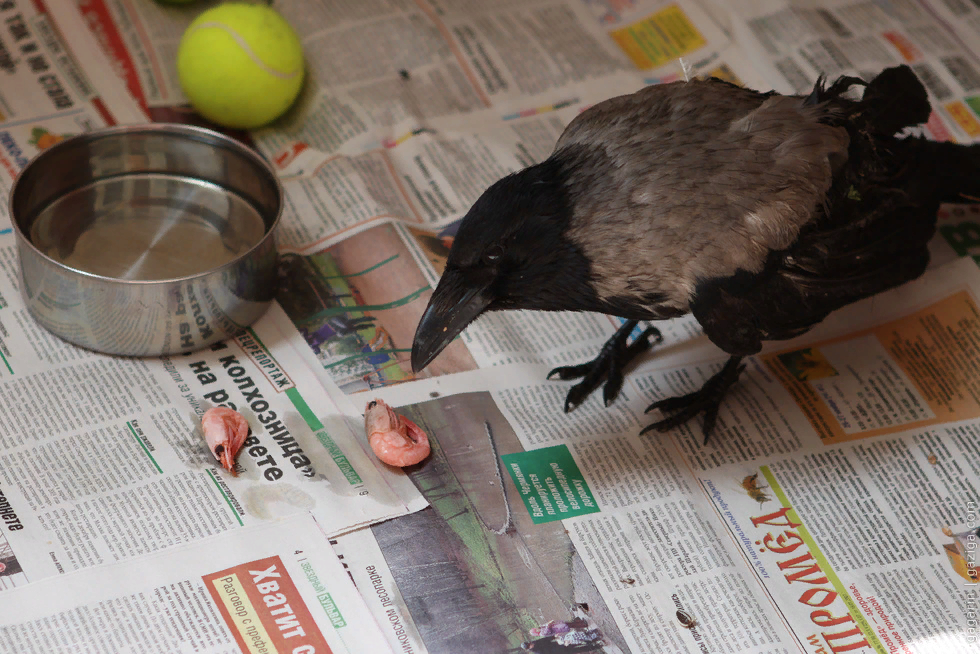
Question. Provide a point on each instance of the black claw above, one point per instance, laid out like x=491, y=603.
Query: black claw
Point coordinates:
x=614, y=356
x=668, y=423
x=570, y=372
x=707, y=400
x=611, y=390
x=614, y=379
x=669, y=404
x=710, y=418
x=653, y=332
x=677, y=419
x=576, y=396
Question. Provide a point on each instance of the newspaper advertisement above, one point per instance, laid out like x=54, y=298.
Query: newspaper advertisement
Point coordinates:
x=48, y=91
x=103, y=458
x=275, y=588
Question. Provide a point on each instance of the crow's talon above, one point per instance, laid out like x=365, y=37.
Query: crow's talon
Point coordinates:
x=613, y=358
x=565, y=373
x=675, y=420
x=611, y=390
x=670, y=404
x=707, y=401
x=644, y=338
x=577, y=395
x=614, y=382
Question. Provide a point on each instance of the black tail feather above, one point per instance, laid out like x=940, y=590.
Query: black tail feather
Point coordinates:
x=894, y=100
x=928, y=172
x=951, y=170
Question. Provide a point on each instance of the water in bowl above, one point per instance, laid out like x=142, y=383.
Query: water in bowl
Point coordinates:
x=147, y=227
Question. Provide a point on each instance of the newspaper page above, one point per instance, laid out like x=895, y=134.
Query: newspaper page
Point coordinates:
x=275, y=589
x=476, y=571
x=48, y=91
x=960, y=19
x=447, y=59
x=835, y=507
x=419, y=92
x=103, y=457
x=831, y=430
x=356, y=52
x=858, y=512
x=792, y=42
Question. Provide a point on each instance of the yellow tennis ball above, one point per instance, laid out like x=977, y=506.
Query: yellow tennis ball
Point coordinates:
x=240, y=65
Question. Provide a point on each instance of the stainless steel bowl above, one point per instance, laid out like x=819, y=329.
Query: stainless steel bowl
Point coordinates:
x=147, y=240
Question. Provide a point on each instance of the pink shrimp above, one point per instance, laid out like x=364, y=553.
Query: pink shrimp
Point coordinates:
x=225, y=431
x=395, y=439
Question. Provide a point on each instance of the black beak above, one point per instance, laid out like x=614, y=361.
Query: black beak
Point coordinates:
x=455, y=303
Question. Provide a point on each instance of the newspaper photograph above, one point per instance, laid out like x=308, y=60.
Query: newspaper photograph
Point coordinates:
x=477, y=559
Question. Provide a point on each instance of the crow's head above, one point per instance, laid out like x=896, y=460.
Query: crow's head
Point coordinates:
x=510, y=252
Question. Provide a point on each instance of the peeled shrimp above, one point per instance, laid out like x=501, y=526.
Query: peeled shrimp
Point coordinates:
x=395, y=439
x=225, y=431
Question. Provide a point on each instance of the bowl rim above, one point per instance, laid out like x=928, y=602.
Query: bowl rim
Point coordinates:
x=193, y=131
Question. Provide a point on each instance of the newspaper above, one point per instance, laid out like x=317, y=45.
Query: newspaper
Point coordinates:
x=103, y=458
x=793, y=42
x=271, y=588
x=830, y=512
x=48, y=92
x=835, y=507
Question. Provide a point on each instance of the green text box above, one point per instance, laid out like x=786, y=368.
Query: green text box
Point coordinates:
x=550, y=484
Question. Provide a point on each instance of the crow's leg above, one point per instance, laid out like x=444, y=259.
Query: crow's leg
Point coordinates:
x=612, y=359
x=706, y=401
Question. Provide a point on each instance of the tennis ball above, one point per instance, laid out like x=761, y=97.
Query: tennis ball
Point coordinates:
x=240, y=65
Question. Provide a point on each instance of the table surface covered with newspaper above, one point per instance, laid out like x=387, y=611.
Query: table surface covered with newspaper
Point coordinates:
x=835, y=510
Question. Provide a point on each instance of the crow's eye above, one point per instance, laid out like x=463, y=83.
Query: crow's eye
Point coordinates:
x=493, y=254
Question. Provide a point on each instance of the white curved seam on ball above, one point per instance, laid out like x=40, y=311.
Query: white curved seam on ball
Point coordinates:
x=243, y=44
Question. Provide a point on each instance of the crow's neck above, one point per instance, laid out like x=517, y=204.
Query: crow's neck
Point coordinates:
x=560, y=276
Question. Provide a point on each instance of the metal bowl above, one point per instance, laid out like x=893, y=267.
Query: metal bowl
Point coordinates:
x=147, y=240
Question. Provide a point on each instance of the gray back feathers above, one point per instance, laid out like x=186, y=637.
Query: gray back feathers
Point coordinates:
x=690, y=181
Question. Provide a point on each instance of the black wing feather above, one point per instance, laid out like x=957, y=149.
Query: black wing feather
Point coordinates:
x=871, y=234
